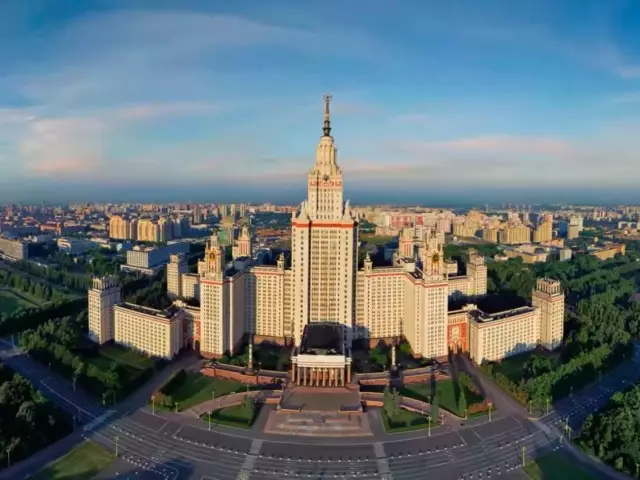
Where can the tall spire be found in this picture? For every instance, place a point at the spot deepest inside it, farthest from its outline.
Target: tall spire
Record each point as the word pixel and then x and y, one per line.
pixel 326 129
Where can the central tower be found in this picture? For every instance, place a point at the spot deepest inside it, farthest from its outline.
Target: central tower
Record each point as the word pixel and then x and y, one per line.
pixel 324 244
pixel 325 178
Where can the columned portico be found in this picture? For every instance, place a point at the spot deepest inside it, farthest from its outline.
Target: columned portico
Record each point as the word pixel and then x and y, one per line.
pixel 317 375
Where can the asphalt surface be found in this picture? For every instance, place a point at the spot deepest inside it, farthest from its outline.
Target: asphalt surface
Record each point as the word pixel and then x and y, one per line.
pixel 164 445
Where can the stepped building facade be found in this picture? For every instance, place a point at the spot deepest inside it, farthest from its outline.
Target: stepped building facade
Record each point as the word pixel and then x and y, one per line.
pixel 323 285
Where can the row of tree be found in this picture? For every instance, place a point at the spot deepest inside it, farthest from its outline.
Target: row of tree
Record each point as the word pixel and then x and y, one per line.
pixel 28 422
pixel 57 275
pixel 60 343
pixel 613 434
pixel 36 289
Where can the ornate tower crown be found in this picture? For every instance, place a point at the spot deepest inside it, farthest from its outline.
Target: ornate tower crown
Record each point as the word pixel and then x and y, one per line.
pixel 326 129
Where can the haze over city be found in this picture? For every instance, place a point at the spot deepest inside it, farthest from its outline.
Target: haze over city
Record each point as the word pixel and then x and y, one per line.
pixel 219 100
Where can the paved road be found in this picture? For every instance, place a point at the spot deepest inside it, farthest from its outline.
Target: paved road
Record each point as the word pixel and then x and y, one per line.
pixel 173 446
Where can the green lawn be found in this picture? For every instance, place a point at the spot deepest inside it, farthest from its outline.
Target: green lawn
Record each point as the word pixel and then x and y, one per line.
pixel 446 392
pixel 405 421
pixel 10 302
pixel 376 239
pixel 555 466
pixel 126 356
pixel 81 463
pixel 236 416
pixel 198 388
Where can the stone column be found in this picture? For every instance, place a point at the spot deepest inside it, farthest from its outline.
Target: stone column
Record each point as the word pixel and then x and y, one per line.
pixel 293 372
pixel 303 373
pixel 349 373
pixel 342 377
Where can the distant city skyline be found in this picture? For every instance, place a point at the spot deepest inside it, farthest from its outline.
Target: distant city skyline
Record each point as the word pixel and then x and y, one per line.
pixel 435 104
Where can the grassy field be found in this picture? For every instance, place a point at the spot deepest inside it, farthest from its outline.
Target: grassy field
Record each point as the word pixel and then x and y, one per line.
pixel 9 302
pixel 554 466
pixel 446 392
pixel 198 388
pixel 376 239
pixel 126 356
pixel 405 421
pixel 235 416
pixel 82 463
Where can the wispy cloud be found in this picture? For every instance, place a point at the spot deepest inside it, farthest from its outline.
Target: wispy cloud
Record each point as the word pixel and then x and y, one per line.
pixel 628 98
pixel 164 110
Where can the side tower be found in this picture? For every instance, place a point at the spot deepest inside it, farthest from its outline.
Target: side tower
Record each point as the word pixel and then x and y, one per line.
pixel 477 274
pixel 214 311
pixel 549 298
pixel 243 246
pixel 103 297
pixel 175 269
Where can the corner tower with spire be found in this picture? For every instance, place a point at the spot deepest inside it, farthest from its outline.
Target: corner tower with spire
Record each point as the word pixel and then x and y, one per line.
pixel 324 243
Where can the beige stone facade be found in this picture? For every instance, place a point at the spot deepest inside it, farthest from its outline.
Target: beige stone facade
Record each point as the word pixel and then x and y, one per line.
pixel 157 333
pixel 323 285
pixel 494 337
pixel 102 298
pixel 514 234
pixel 548 296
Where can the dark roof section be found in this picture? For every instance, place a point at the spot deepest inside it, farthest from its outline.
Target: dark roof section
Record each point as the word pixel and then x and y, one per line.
pixel 322 339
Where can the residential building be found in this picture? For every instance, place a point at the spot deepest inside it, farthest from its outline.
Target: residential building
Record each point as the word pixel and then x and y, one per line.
pixel 13 249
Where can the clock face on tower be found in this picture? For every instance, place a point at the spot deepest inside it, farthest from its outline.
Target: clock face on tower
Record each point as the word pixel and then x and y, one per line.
pixel 325 178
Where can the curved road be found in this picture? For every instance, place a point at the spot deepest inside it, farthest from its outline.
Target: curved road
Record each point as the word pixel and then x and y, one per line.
pixel 175 446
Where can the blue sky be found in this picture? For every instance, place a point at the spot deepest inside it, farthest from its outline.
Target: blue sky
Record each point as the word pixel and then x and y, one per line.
pixel 211 96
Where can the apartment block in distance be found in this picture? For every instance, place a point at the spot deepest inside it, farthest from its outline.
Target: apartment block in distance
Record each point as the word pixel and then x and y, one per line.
pixel 13 249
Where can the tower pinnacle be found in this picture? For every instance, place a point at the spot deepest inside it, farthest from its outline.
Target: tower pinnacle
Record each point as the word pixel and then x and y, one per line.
pixel 326 129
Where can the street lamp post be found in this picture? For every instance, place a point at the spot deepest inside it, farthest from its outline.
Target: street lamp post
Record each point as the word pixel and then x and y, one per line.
pixel 153 404
pixel 466 414
pixel 104 399
pixel 524 455
pixel 8 457
pixel 74 382
pixel 116 438
pixel 529 407
pixel 213 395
pixel 490 407
pixel 429 424
pixel 209 420
pixel 176 407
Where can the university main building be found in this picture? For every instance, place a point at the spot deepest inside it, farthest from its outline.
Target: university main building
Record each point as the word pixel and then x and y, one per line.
pixel 324 286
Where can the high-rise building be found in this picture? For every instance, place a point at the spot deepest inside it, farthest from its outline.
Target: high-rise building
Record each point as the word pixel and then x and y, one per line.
pixel 514 234
pixel 197 214
pixel 549 298
pixel 543 232
pixel 103 297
